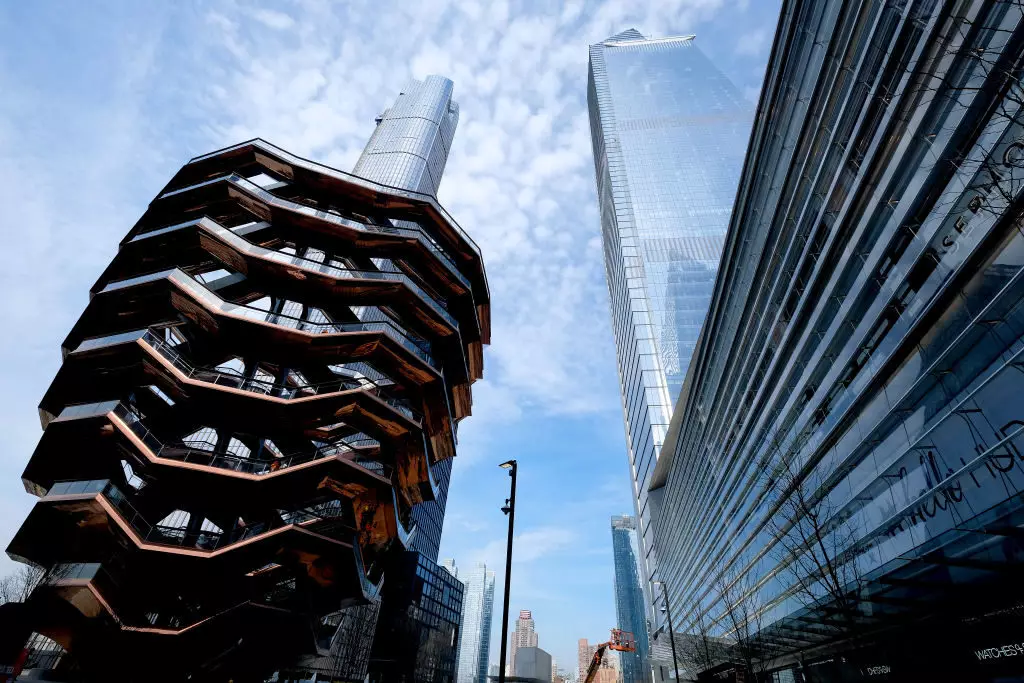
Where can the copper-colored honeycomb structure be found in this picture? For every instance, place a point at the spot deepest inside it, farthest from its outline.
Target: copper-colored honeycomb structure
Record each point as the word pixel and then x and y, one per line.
pixel 246 414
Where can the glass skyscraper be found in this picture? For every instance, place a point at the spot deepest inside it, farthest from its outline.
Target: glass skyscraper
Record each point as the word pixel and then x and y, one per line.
pixel 478 610
pixel 669 133
pixel 409 147
pixel 844 477
pixel 629 599
pixel 409 150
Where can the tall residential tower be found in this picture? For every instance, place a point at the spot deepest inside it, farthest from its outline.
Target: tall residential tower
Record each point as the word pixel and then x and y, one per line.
pixel 669 134
pixel 524 635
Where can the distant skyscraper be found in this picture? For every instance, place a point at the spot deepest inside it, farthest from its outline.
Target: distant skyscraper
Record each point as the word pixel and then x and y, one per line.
pixel 608 673
pixel 669 133
pixel 523 636
pixel 584 653
pixel 409 148
pixel 478 608
pixel 629 599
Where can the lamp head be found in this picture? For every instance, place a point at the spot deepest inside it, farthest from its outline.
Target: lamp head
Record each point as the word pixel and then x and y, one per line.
pixel 510 465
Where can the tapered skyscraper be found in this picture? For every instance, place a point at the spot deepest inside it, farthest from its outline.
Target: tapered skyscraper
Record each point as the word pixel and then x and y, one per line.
pixel 475 638
pixel 409 150
pixel 629 599
pixel 669 134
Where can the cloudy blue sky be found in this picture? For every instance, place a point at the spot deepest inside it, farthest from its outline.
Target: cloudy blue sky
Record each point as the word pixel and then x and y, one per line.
pixel 101 101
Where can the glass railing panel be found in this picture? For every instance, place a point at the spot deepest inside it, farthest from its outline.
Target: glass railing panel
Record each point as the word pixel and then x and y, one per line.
pixel 151 277
pixel 75 571
pixel 110 340
pixel 86 410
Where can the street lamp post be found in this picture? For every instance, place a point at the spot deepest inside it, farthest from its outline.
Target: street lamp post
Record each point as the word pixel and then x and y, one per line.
pixel 671 631
pixel 509 509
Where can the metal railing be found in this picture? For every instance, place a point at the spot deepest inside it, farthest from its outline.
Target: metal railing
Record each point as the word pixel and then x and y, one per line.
pixel 206 456
pixel 296 160
pixel 202 539
pixel 235 380
pixel 417 345
pixel 419 234
pixel 438 303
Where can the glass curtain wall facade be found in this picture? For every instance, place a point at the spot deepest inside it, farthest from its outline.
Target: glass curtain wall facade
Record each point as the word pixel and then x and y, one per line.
pixel 409 150
pixel 475 650
pixel 419 627
pixel 409 147
pixel 845 463
pixel 669 133
pixel 629 598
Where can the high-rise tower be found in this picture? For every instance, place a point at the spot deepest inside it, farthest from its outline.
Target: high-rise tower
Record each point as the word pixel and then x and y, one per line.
pixel 478 610
pixel 669 133
pixel 409 147
pixel 409 150
pixel 846 460
pixel 629 598
pixel 247 418
pixel 524 635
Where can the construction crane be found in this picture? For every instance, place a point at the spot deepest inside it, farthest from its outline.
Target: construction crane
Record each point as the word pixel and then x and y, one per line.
pixel 621 641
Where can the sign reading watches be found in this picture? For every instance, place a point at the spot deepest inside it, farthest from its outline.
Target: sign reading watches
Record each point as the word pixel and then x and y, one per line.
pixel 1011 650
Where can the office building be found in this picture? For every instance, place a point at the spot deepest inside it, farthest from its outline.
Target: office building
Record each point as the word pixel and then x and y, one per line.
pixel 844 464
pixel 478 610
pixel 532 664
pixel 522 636
pixel 669 132
pixel 629 599
pixel 266 380
pixel 419 624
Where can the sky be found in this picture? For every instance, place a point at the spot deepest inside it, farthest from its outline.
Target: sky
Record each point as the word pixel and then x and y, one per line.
pixel 101 102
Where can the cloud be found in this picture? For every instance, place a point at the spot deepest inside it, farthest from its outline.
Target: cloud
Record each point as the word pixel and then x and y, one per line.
pixel 273 19
pixel 528 546
pixel 754 43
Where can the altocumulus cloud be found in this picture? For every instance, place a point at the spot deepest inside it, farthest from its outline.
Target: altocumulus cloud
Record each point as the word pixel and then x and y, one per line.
pixel 520 178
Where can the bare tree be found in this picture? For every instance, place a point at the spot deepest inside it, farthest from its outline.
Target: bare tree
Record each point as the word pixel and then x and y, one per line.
pixel 699 650
pixel 743 618
pixel 18 585
pixel 815 547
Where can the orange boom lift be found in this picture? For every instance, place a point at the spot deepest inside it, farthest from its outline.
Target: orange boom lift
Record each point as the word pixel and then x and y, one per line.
pixel 621 641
